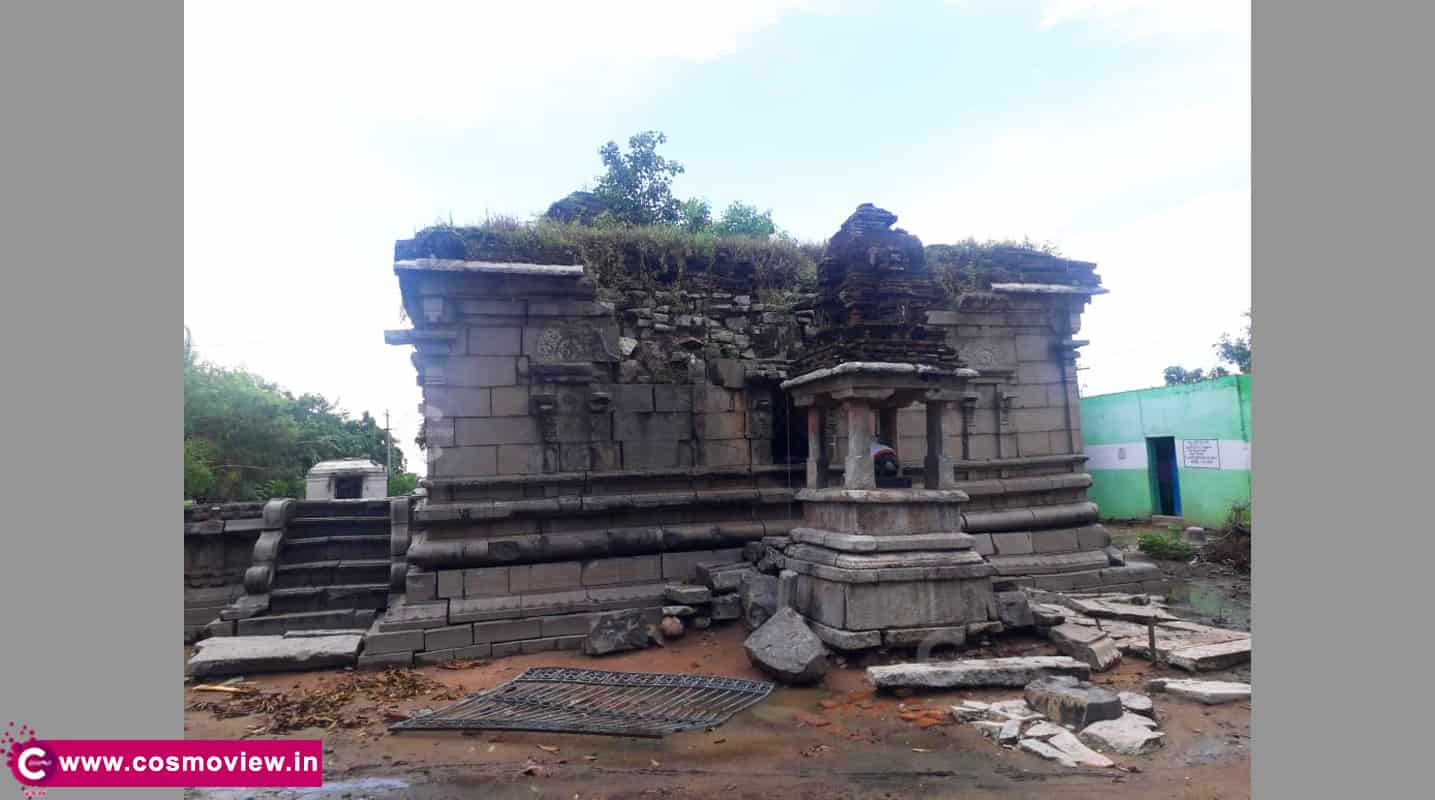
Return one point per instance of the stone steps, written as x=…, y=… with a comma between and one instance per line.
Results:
x=328, y=573
x=335, y=548
x=278, y=624
x=302, y=528
x=327, y=598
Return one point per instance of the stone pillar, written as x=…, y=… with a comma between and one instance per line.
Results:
x=817, y=456
x=858, y=472
x=937, y=465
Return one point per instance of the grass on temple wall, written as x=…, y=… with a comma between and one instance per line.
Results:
x=656, y=257
x=639, y=257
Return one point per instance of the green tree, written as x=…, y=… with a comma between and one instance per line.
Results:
x=637, y=186
x=741, y=219
x=697, y=215
x=1237, y=349
x=1179, y=375
x=247, y=439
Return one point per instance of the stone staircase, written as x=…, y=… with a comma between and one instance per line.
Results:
x=318, y=565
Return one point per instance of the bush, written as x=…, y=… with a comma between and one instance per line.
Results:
x=1233, y=546
x=1165, y=547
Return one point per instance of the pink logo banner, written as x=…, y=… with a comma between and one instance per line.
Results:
x=157, y=763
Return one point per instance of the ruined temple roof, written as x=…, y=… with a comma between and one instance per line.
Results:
x=338, y=466
x=485, y=267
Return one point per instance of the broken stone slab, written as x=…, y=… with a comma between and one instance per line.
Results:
x=988, y=728
x=1091, y=645
x=1043, y=730
x=1013, y=709
x=759, y=598
x=1046, y=615
x=1070, y=701
x=1066, y=750
x=1208, y=692
x=725, y=576
x=233, y=655
x=616, y=631
x=679, y=611
x=1137, y=704
x=1014, y=610
x=970, y=711
x=1129, y=735
x=325, y=632
x=686, y=594
x=1068, y=745
x=785, y=648
x=1011, y=672
x=1010, y=731
x=726, y=607
x=1205, y=657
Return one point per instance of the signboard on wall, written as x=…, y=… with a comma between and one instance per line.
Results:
x=1200, y=453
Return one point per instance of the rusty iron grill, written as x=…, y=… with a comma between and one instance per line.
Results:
x=562, y=700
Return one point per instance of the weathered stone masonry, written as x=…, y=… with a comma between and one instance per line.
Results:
x=589, y=444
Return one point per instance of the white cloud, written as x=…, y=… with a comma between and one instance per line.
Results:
x=290, y=210
x=1178, y=279
x=1139, y=19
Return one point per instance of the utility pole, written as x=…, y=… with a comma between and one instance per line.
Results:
x=388, y=451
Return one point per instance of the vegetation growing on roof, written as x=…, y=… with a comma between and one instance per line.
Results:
x=630, y=256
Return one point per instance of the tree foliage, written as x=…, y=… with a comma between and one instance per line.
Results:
x=741, y=219
x=1237, y=349
x=637, y=186
x=1234, y=350
x=636, y=190
x=246, y=439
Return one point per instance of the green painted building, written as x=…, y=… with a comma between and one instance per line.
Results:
x=1177, y=450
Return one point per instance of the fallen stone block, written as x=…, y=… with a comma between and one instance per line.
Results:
x=1129, y=735
x=1091, y=645
x=1010, y=731
x=1069, y=701
x=1012, y=672
x=726, y=606
x=1208, y=692
x=988, y=728
x=787, y=649
x=686, y=594
x=1014, y=610
x=1012, y=709
x=759, y=598
x=679, y=611
x=1043, y=731
x=324, y=632
x=1204, y=657
x=1068, y=745
x=1137, y=704
x=970, y=711
x=724, y=577
x=1045, y=615
x=1046, y=751
x=233, y=655
x=616, y=631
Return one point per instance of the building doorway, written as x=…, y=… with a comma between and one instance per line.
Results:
x=1165, y=480
x=348, y=487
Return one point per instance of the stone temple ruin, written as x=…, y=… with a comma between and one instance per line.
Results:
x=603, y=446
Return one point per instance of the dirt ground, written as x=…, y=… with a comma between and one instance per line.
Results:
x=833, y=741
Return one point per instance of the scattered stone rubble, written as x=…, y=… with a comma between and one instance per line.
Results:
x=1089, y=717
x=1099, y=629
x=1208, y=692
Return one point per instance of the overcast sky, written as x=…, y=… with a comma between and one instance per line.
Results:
x=318, y=133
